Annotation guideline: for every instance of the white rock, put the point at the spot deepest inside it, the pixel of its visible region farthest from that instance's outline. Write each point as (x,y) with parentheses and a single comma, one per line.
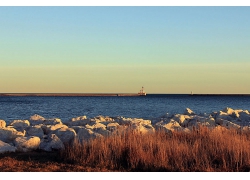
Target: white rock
(199,124)
(52,121)
(244,116)
(223,115)
(77,128)
(35,131)
(66,135)
(141,121)
(78,121)
(235,115)
(227,124)
(85,134)
(228,110)
(99,119)
(181,119)
(124,121)
(2,123)
(20,125)
(142,128)
(78,118)
(129,121)
(5,147)
(103,132)
(36,119)
(204,121)
(112,126)
(170,125)
(99,128)
(96,126)
(8,134)
(188,112)
(193,122)
(25,144)
(50,143)
(47,129)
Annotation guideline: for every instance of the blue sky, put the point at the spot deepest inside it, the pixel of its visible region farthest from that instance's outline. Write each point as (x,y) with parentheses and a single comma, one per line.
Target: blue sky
(119,49)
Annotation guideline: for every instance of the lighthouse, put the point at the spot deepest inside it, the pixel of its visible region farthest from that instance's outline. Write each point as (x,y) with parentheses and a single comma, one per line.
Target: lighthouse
(142,92)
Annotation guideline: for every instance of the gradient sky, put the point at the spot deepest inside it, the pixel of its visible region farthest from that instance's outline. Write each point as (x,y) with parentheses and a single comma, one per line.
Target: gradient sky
(119,49)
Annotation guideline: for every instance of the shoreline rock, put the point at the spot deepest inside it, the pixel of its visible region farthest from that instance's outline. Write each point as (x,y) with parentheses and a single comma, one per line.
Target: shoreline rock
(52,134)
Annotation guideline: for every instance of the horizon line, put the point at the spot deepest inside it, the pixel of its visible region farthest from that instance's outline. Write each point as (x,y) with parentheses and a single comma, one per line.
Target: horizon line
(119,94)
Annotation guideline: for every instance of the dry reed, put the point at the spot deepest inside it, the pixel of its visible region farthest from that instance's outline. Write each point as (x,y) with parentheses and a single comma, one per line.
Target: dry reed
(202,149)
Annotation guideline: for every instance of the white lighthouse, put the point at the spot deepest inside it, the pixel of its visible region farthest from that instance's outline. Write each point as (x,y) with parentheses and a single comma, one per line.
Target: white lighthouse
(142,92)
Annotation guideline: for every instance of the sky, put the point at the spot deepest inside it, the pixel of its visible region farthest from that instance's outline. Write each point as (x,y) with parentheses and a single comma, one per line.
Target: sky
(118,49)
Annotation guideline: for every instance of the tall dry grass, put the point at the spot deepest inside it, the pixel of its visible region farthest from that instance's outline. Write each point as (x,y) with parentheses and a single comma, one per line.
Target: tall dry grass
(202,149)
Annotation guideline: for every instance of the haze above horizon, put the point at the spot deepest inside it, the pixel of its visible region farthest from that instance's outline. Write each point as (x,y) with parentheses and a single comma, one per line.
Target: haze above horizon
(119,49)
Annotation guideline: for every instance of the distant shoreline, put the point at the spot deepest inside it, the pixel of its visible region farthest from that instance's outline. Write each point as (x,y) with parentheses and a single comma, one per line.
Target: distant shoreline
(68,94)
(101,94)
(219,94)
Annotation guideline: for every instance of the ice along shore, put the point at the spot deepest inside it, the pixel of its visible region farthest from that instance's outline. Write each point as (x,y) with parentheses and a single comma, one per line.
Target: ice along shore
(48,134)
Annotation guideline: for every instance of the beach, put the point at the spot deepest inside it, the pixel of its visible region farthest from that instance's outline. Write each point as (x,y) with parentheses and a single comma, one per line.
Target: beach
(38,134)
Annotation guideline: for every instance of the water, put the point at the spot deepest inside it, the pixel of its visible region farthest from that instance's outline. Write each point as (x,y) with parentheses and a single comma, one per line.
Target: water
(150,106)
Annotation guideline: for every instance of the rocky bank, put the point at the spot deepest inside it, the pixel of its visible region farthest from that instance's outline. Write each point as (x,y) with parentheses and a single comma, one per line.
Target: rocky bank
(38,132)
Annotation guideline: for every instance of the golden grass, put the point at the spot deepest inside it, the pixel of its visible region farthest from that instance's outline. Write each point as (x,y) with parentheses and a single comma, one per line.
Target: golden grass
(203,149)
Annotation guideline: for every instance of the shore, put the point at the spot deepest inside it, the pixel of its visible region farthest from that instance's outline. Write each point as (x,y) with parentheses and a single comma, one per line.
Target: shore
(68,94)
(99,94)
(219,94)
(131,144)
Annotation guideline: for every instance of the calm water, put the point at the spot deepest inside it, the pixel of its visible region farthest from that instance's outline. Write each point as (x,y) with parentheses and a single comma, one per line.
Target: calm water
(141,107)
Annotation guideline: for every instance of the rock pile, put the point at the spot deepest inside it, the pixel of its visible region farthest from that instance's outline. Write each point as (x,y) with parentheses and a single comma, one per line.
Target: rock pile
(51,134)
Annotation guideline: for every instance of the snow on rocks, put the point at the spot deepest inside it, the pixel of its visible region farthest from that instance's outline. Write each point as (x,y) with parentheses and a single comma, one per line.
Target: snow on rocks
(85,134)
(25,144)
(35,131)
(5,147)
(130,121)
(52,121)
(9,134)
(168,126)
(181,119)
(233,115)
(53,134)
(99,128)
(51,142)
(223,115)
(228,110)
(67,135)
(137,124)
(112,126)
(244,116)
(203,121)
(36,119)
(142,128)
(227,124)
(188,112)
(102,119)
(78,121)
(2,123)
(20,125)
(51,128)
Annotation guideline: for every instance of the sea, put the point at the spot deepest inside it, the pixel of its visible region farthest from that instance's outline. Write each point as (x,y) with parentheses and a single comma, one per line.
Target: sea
(146,107)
